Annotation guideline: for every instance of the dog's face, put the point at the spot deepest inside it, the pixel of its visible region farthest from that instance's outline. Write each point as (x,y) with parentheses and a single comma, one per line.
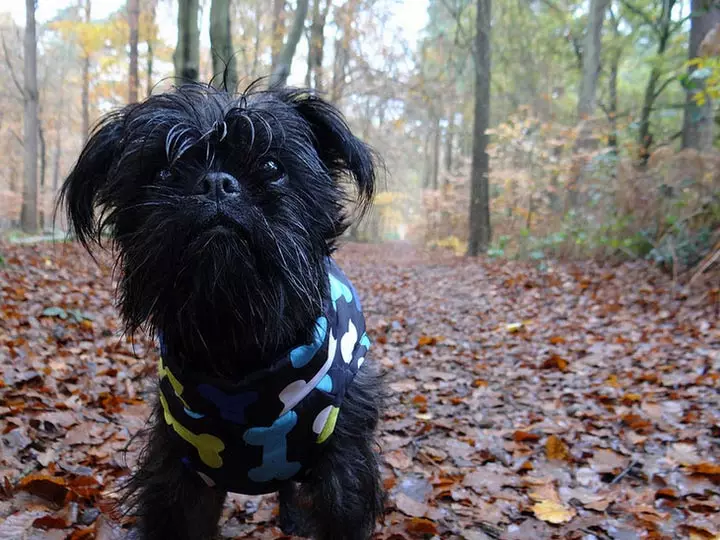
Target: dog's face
(222,208)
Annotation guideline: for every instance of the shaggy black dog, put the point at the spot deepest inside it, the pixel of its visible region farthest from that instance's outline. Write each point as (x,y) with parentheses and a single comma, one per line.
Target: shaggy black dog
(224,211)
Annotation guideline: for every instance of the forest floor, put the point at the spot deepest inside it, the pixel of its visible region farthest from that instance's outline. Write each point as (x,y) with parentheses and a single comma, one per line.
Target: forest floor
(574,401)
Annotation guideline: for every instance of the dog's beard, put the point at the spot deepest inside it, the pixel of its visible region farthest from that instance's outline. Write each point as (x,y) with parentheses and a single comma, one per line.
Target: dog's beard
(227,296)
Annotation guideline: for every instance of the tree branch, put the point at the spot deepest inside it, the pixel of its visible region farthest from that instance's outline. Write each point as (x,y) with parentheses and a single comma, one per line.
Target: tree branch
(663,86)
(640,13)
(10,66)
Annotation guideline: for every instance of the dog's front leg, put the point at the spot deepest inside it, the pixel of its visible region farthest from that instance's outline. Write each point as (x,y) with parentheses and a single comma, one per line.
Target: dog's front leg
(344,496)
(170,500)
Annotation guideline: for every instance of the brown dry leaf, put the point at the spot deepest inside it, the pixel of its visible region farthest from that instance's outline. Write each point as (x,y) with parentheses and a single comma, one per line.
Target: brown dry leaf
(51,522)
(553,512)
(409,506)
(605,460)
(705,468)
(406,385)
(428,340)
(555,362)
(525,436)
(50,488)
(421,526)
(555,448)
(398,459)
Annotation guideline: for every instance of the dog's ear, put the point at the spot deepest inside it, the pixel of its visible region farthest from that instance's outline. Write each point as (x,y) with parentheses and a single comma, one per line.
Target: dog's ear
(82,190)
(341,151)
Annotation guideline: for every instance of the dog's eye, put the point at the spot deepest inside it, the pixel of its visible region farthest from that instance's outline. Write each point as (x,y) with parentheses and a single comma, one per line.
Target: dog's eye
(270,170)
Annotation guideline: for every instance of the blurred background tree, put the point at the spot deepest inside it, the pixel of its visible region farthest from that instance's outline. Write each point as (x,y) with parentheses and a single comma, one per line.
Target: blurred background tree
(591,133)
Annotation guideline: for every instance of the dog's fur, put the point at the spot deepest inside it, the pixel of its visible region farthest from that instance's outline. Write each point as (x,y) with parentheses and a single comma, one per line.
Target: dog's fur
(231,281)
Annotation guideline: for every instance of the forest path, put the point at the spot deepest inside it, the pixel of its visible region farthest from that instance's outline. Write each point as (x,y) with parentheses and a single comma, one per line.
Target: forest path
(572,401)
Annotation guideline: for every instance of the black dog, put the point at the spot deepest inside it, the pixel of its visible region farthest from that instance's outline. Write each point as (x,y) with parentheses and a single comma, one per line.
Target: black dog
(225,211)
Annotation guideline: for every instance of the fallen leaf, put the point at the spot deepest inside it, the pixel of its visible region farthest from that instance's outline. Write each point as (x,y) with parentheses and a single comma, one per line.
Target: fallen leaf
(421,526)
(525,436)
(555,448)
(398,459)
(50,488)
(553,512)
(410,506)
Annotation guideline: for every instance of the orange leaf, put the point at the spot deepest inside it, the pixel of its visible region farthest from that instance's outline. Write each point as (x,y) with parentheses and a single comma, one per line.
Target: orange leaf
(555,362)
(85,486)
(419,400)
(50,522)
(525,436)
(705,468)
(630,398)
(477,383)
(637,423)
(555,448)
(50,488)
(557,340)
(421,526)
(428,340)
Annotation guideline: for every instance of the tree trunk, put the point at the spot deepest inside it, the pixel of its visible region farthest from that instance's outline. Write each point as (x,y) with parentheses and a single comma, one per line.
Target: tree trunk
(29,213)
(698,122)
(256,42)
(427,166)
(150,43)
(86,83)
(223,56)
(316,45)
(588,91)
(435,154)
(59,124)
(651,93)
(480,232)
(281,71)
(591,59)
(56,158)
(43,166)
(278,32)
(187,52)
(613,106)
(449,134)
(133,9)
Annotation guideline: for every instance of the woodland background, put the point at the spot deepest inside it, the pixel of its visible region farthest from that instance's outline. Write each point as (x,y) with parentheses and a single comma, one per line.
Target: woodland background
(582,128)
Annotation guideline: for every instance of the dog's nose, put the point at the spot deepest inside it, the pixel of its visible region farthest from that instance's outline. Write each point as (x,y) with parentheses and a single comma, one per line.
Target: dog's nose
(218,186)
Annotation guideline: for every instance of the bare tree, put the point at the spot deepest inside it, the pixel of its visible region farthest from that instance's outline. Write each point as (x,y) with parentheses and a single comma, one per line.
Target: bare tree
(29,213)
(480,231)
(698,122)
(223,57)
(281,71)
(133,9)
(187,52)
